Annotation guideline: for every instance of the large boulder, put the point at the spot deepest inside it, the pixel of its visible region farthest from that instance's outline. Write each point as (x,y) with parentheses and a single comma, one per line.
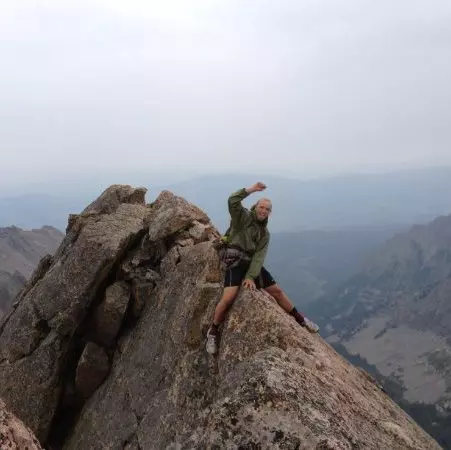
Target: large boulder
(36,338)
(173,214)
(272,385)
(116,195)
(109,315)
(92,369)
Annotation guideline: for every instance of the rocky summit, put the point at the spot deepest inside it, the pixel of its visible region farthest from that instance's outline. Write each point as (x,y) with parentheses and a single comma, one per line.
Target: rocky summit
(104,348)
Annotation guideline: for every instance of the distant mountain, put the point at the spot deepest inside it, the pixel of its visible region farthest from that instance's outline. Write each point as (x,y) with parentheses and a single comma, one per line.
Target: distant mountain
(309,264)
(330,203)
(322,203)
(34,210)
(20,252)
(396,313)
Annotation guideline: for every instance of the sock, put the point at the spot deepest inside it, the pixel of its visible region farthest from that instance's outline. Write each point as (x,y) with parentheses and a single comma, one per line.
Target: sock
(298,316)
(213,329)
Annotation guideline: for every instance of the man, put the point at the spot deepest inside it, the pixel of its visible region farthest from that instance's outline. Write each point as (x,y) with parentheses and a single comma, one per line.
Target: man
(247,242)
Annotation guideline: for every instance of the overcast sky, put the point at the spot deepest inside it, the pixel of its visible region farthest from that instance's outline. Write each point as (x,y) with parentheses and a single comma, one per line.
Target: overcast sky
(314,86)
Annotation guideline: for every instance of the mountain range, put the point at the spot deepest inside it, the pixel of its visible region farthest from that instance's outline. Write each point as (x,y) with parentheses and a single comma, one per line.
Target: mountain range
(379,290)
(356,200)
(309,264)
(20,252)
(395,312)
(340,201)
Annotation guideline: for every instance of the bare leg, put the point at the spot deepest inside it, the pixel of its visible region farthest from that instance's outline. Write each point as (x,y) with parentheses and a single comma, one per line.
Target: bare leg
(227,299)
(284,302)
(280,296)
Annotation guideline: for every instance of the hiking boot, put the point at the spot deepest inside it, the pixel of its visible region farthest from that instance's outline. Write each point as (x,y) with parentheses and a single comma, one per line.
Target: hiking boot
(212,343)
(311,326)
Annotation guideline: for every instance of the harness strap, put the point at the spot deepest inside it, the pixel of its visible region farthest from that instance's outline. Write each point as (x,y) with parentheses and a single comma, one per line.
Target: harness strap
(231,256)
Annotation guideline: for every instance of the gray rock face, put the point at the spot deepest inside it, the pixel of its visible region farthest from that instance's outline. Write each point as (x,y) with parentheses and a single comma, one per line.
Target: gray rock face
(110,313)
(152,359)
(14,435)
(113,197)
(36,339)
(172,214)
(272,385)
(141,294)
(92,369)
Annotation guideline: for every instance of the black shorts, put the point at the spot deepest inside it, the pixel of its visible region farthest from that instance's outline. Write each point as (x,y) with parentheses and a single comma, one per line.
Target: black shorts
(235,276)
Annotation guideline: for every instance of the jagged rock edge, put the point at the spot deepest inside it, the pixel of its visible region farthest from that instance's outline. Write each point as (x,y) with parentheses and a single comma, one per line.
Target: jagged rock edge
(170,242)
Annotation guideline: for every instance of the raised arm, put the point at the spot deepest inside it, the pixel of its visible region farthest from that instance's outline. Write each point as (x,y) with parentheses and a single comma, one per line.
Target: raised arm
(236,209)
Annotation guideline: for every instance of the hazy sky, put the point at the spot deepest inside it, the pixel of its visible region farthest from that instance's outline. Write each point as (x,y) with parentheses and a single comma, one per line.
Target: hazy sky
(303,86)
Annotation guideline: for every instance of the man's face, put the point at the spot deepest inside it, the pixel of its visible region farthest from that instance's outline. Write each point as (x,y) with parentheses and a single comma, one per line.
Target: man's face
(263,209)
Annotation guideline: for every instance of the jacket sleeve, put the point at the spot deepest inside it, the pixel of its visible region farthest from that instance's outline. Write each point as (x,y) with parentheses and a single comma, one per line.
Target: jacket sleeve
(236,209)
(258,258)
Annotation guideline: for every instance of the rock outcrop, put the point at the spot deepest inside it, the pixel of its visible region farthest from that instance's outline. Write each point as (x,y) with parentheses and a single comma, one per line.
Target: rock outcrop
(14,435)
(106,349)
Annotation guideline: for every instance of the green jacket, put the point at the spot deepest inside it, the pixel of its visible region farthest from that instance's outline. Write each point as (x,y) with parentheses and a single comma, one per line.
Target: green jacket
(247,233)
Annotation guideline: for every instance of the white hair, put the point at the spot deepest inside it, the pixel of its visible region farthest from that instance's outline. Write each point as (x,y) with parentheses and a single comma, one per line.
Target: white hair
(265,200)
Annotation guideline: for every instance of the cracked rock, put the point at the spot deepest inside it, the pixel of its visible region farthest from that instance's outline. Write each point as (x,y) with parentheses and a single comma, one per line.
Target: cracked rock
(92,370)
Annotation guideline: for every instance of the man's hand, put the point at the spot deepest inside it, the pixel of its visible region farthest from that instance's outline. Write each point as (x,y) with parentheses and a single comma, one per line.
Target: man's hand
(257,187)
(249,284)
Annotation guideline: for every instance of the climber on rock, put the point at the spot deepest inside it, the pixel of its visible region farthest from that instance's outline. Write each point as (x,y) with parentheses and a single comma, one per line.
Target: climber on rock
(245,245)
